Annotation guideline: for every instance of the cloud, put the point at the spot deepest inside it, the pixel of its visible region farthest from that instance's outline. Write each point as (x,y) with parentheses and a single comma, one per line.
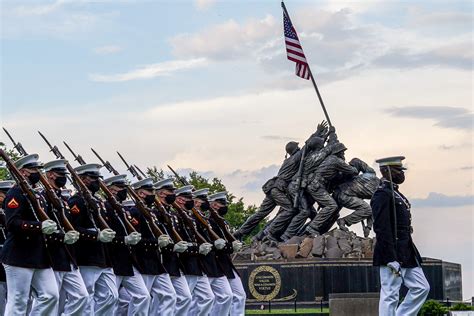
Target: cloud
(455,55)
(445,116)
(108,49)
(56,19)
(204,4)
(151,71)
(42,9)
(419,18)
(226,40)
(277,137)
(440,200)
(257,177)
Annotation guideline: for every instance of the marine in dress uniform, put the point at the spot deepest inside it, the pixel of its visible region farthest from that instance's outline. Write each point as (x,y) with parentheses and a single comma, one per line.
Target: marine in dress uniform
(165,191)
(218,202)
(395,252)
(219,283)
(198,282)
(4,187)
(91,253)
(123,252)
(68,278)
(149,254)
(24,255)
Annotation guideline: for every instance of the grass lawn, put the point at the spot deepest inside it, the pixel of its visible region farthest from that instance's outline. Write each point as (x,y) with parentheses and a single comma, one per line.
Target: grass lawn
(287,311)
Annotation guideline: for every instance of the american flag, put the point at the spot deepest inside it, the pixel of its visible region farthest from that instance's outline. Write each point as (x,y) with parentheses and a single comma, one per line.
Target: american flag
(294,51)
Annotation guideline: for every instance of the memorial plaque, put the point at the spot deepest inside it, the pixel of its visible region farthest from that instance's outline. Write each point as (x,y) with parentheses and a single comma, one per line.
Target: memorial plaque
(264,283)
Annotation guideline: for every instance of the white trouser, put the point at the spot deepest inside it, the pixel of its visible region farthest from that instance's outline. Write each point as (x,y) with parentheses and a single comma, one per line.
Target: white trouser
(183,295)
(73,290)
(163,295)
(3,297)
(139,302)
(20,281)
(203,298)
(418,289)
(103,294)
(223,293)
(239,296)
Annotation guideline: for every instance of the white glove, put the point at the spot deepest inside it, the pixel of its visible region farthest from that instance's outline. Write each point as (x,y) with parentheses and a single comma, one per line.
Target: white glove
(394,266)
(48,227)
(181,246)
(205,248)
(236,245)
(163,241)
(71,237)
(133,239)
(219,244)
(106,235)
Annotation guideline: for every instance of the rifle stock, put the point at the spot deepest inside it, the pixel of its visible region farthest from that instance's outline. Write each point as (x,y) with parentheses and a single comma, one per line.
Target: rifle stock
(217,218)
(80,186)
(188,222)
(25,186)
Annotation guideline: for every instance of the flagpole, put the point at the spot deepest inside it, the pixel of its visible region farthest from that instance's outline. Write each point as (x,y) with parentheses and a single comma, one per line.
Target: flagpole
(311,75)
(319,96)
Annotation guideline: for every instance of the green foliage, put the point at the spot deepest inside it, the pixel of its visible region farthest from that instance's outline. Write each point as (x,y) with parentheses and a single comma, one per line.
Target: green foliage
(4,174)
(432,308)
(238,211)
(461,307)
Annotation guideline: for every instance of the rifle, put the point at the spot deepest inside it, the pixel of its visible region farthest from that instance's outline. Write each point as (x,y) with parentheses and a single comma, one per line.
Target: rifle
(25,186)
(299,174)
(51,196)
(218,219)
(79,185)
(138,200)
(108,195)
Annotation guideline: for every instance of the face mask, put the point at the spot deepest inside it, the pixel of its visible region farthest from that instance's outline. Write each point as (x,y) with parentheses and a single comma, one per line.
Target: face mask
(149,199)
(34,178)
(170,198)
(205,206)
(122,195)
(60,181)
(189,204)
(94,186)
(398,178)
(222,210)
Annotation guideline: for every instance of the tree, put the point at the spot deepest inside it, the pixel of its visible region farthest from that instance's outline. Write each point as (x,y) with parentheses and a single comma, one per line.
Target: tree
(238,211)
(4,174)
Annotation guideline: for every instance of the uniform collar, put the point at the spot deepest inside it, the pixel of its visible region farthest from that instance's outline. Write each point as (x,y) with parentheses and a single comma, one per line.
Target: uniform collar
(386,183)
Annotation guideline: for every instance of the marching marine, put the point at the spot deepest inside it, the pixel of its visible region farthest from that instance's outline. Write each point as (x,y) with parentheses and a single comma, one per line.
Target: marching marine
(68,277)
(4,187)
(197,281)
(219,283)
(165,192)
(91,252)
(218,202)
(24,254)
(123,250)
(395,253)
(150,253)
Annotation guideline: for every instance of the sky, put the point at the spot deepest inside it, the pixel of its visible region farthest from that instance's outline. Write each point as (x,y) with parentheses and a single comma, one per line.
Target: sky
(205,85)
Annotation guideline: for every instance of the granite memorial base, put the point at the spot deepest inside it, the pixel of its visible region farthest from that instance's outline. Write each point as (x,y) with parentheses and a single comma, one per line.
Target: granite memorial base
(309,282)
(350,304)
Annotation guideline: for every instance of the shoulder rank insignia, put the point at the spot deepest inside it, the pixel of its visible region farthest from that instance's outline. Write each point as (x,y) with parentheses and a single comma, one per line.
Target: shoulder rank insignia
(13,203)
(75,210)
